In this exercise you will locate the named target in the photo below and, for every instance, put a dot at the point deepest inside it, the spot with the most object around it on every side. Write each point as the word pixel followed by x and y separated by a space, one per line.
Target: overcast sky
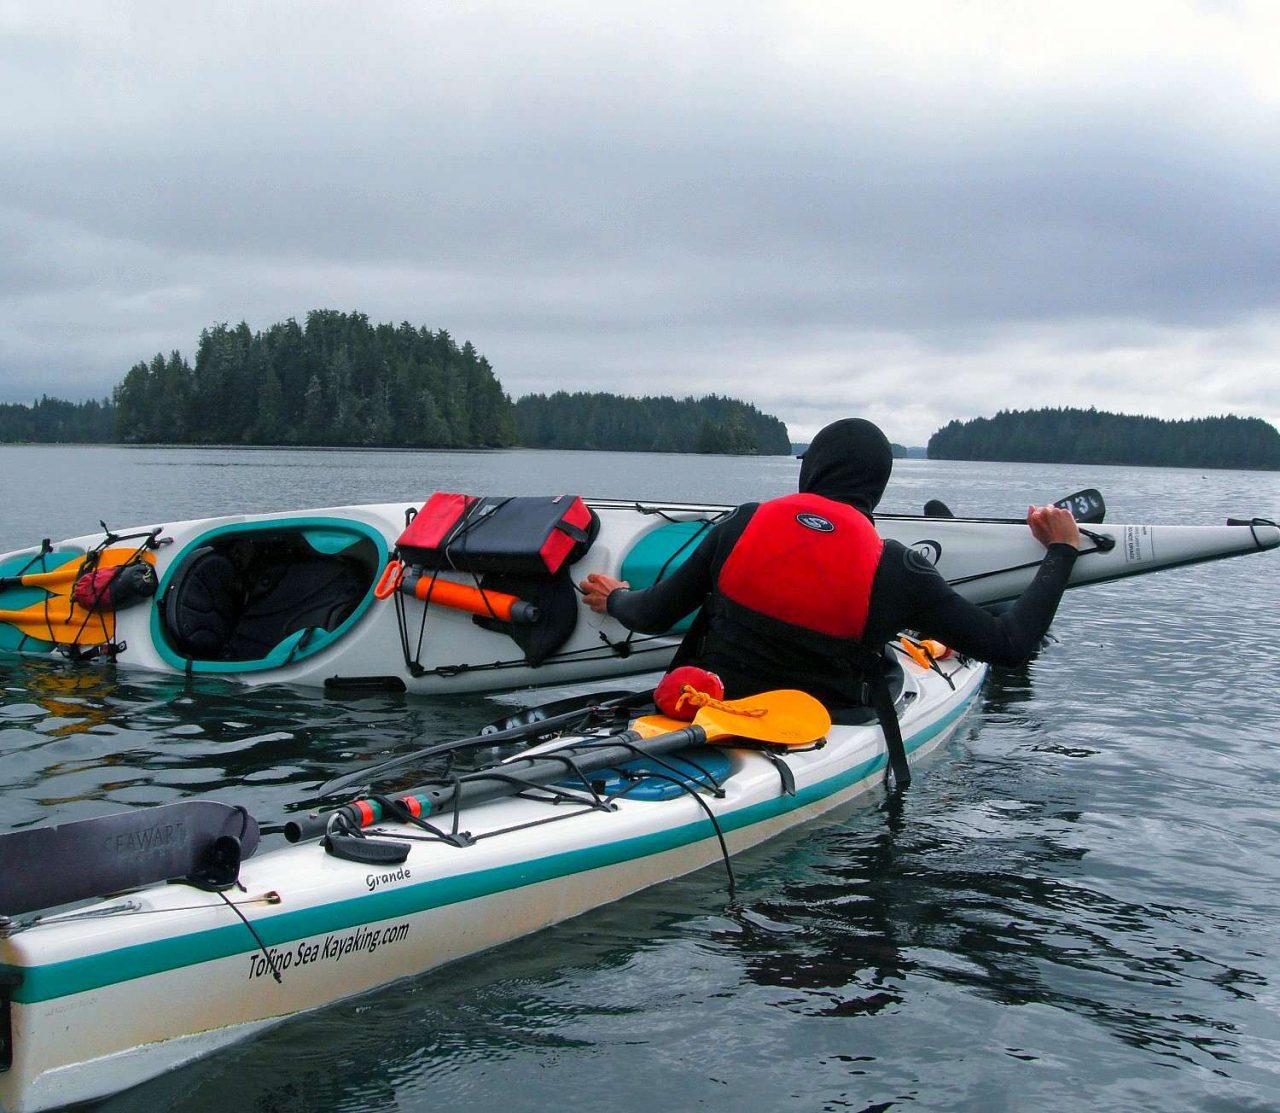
pixel 908 211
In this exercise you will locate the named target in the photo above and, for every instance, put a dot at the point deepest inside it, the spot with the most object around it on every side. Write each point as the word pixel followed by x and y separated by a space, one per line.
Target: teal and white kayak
pixel 109 994
pixel 293 598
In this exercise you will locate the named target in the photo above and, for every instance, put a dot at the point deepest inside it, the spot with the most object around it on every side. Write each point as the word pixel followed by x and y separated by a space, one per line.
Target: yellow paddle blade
pixel 787 717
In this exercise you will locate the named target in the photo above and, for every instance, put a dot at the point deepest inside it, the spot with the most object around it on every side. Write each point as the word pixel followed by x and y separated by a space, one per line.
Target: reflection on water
pixel 1076 905
pixel 88 739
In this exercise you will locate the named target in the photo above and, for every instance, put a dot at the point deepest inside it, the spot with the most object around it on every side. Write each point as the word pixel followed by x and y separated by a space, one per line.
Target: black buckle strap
pixel 882 701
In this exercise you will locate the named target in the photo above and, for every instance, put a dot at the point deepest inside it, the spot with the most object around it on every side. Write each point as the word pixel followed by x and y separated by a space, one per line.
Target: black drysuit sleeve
pixel 655 609
pixel 910 594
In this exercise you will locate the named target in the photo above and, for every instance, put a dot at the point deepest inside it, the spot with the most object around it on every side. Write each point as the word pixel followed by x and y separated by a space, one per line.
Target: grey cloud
pixel 621 207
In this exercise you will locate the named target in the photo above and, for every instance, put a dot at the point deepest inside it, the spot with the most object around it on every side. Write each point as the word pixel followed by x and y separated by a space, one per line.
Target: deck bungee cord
pixel 1101 544
pixel 683 772
pixel 506 611
pixel 351 832
pixel 564 716
pixel 10 926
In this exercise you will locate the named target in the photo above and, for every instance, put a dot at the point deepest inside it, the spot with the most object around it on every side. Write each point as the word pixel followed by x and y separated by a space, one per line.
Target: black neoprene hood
pixel 850 461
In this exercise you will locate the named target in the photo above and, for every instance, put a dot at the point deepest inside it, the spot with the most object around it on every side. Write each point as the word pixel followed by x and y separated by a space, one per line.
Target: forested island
pixel 340 381
pixel 1073 436
pixel 337 381
pixel 610 422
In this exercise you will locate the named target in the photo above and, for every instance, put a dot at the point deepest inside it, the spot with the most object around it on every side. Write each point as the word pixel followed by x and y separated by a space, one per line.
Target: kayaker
pixel 801 591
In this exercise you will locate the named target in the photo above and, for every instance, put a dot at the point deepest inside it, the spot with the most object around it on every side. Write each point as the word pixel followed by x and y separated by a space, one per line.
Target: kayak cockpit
pixel 260 595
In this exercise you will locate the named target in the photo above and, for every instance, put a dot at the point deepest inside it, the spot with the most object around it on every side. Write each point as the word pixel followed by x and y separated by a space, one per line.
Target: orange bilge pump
pixel 925 651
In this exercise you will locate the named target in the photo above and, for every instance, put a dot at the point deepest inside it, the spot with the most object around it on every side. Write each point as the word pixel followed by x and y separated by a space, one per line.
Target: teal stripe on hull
pixel 80 975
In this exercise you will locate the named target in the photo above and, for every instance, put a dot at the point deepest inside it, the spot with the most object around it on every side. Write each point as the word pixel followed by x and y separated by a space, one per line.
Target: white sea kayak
pixel 339 598
pixel 108 995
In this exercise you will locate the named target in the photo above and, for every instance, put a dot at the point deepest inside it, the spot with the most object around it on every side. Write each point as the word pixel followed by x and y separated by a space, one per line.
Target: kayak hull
pixel 149 981
pixel 402 643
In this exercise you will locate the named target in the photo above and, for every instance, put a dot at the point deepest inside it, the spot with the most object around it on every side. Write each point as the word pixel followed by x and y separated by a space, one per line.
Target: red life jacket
pixel 807 561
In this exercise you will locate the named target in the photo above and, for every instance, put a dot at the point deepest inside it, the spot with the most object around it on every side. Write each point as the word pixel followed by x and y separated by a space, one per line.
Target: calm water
pixel 1077 905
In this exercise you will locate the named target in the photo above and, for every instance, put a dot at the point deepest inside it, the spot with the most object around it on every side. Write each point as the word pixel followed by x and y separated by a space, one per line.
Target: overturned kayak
pixel 110 994
pixel 457 594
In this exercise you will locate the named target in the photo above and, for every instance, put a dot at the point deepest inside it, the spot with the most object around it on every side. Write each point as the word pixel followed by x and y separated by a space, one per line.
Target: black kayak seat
pixel 216 611
pixel 313 594
pixel 201 605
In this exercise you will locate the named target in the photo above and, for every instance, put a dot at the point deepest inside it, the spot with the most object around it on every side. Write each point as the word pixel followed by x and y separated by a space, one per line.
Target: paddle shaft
pixel 1087 507
pixel 491 738
pixel 497 781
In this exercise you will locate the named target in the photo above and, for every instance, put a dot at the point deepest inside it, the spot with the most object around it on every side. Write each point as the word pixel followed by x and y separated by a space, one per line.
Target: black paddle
pixel 529 723
pixel 1087 507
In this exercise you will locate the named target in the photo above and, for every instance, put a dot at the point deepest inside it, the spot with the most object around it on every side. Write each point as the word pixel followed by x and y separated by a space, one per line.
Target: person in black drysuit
pixel 762 606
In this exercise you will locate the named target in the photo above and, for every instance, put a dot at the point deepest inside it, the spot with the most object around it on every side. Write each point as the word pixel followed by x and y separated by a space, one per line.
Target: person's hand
pixel 1052 524
pixel 597 588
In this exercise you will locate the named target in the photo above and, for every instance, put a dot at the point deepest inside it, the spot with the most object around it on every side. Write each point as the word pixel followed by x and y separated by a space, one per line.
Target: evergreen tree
pixel 315 413
pixel 270 418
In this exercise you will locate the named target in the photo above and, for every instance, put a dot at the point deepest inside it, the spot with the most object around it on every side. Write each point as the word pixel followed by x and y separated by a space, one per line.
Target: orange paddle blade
pixel 786 717
pixel 63 627
pixel 57 619
pixel 650 726
pixel 70 572
pixel 924 651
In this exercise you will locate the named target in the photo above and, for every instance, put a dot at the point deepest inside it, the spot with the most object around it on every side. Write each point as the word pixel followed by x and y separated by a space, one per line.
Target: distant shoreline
pixel 1083 437
pixel 911 454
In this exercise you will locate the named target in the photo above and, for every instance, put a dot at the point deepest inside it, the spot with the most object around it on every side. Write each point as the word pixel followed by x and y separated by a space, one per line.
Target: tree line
pixel 1075 436
pixel 338 380
pixel 610 422
pixel 53 421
